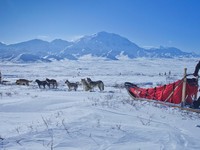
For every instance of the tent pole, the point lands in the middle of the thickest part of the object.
(184, 87)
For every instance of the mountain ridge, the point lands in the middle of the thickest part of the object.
(102, 44)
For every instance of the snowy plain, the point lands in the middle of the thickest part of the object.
(58, 119)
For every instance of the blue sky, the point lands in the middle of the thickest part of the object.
(148, 23)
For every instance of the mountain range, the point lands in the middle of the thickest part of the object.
(104, 45)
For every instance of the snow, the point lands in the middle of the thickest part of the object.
(58, 119)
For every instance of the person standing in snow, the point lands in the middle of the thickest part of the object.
(196, 69)
(196, 104)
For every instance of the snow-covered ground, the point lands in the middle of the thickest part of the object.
(58, 119)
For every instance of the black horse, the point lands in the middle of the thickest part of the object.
(43, 83)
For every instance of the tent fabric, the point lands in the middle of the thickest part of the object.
(171, 93)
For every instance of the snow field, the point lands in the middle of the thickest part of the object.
(33, 118)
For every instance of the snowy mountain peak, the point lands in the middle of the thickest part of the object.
(101, 44)
(34, 41)
(109, 37)
(104, 34)
(31, 43)
(111, 40)
(60, 43)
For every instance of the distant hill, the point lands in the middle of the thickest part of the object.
(103, 44)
